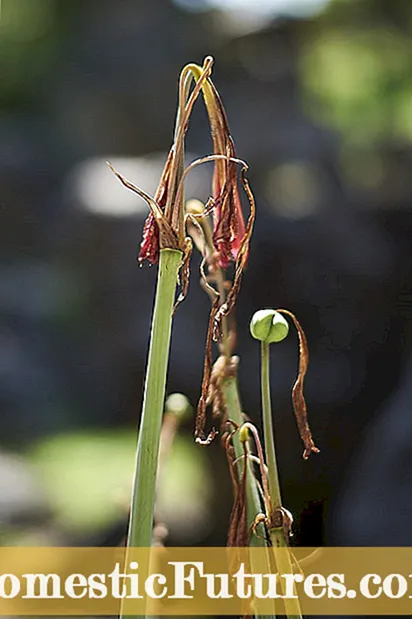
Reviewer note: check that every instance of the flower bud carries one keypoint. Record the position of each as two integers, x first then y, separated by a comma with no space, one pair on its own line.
195,207
178,405
269,326
243,434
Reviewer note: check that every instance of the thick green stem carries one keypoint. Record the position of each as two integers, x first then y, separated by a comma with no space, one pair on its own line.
144,484
277,535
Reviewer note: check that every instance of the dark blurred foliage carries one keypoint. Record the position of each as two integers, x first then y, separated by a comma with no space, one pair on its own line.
321,108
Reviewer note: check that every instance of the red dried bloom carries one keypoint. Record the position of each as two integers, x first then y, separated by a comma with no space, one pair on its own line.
150,247
164,226
228,220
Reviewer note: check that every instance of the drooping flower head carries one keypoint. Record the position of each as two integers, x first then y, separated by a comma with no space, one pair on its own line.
228,220
165,226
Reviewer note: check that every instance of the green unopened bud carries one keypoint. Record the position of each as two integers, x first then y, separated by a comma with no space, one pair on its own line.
244,434
179,405
195,207
269,326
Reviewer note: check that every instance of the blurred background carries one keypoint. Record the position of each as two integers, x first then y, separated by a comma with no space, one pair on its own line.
319,99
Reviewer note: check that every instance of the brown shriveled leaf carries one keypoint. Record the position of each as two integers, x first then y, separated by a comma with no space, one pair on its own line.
298,398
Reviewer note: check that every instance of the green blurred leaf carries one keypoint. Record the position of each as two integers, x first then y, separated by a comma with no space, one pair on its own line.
87,476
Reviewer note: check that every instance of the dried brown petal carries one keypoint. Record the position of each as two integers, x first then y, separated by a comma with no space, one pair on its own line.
263,471
185,273
157,230
298,398
207,372
150,247
241,260
228,220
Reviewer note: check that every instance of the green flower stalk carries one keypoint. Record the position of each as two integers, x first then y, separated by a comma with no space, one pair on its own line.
164,241
270,326
144,484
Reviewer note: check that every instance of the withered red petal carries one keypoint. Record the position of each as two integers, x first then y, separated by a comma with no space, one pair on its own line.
149,248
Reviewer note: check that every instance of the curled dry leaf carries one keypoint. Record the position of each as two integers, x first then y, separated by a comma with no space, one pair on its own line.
207,372
298,398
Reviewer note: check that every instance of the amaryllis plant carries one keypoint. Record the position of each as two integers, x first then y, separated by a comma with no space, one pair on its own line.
220,231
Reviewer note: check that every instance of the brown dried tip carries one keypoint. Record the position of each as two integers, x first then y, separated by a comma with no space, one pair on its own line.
185,273
207,372
298,399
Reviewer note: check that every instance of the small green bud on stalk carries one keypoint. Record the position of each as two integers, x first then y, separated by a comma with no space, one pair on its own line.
269,326
243,434
178,405
195,207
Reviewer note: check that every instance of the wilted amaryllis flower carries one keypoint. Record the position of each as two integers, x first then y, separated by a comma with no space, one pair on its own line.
165,226
231,237
228,220
229,224
150,245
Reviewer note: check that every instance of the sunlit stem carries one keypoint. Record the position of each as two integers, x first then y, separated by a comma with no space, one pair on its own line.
144,485
270,453
277,535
